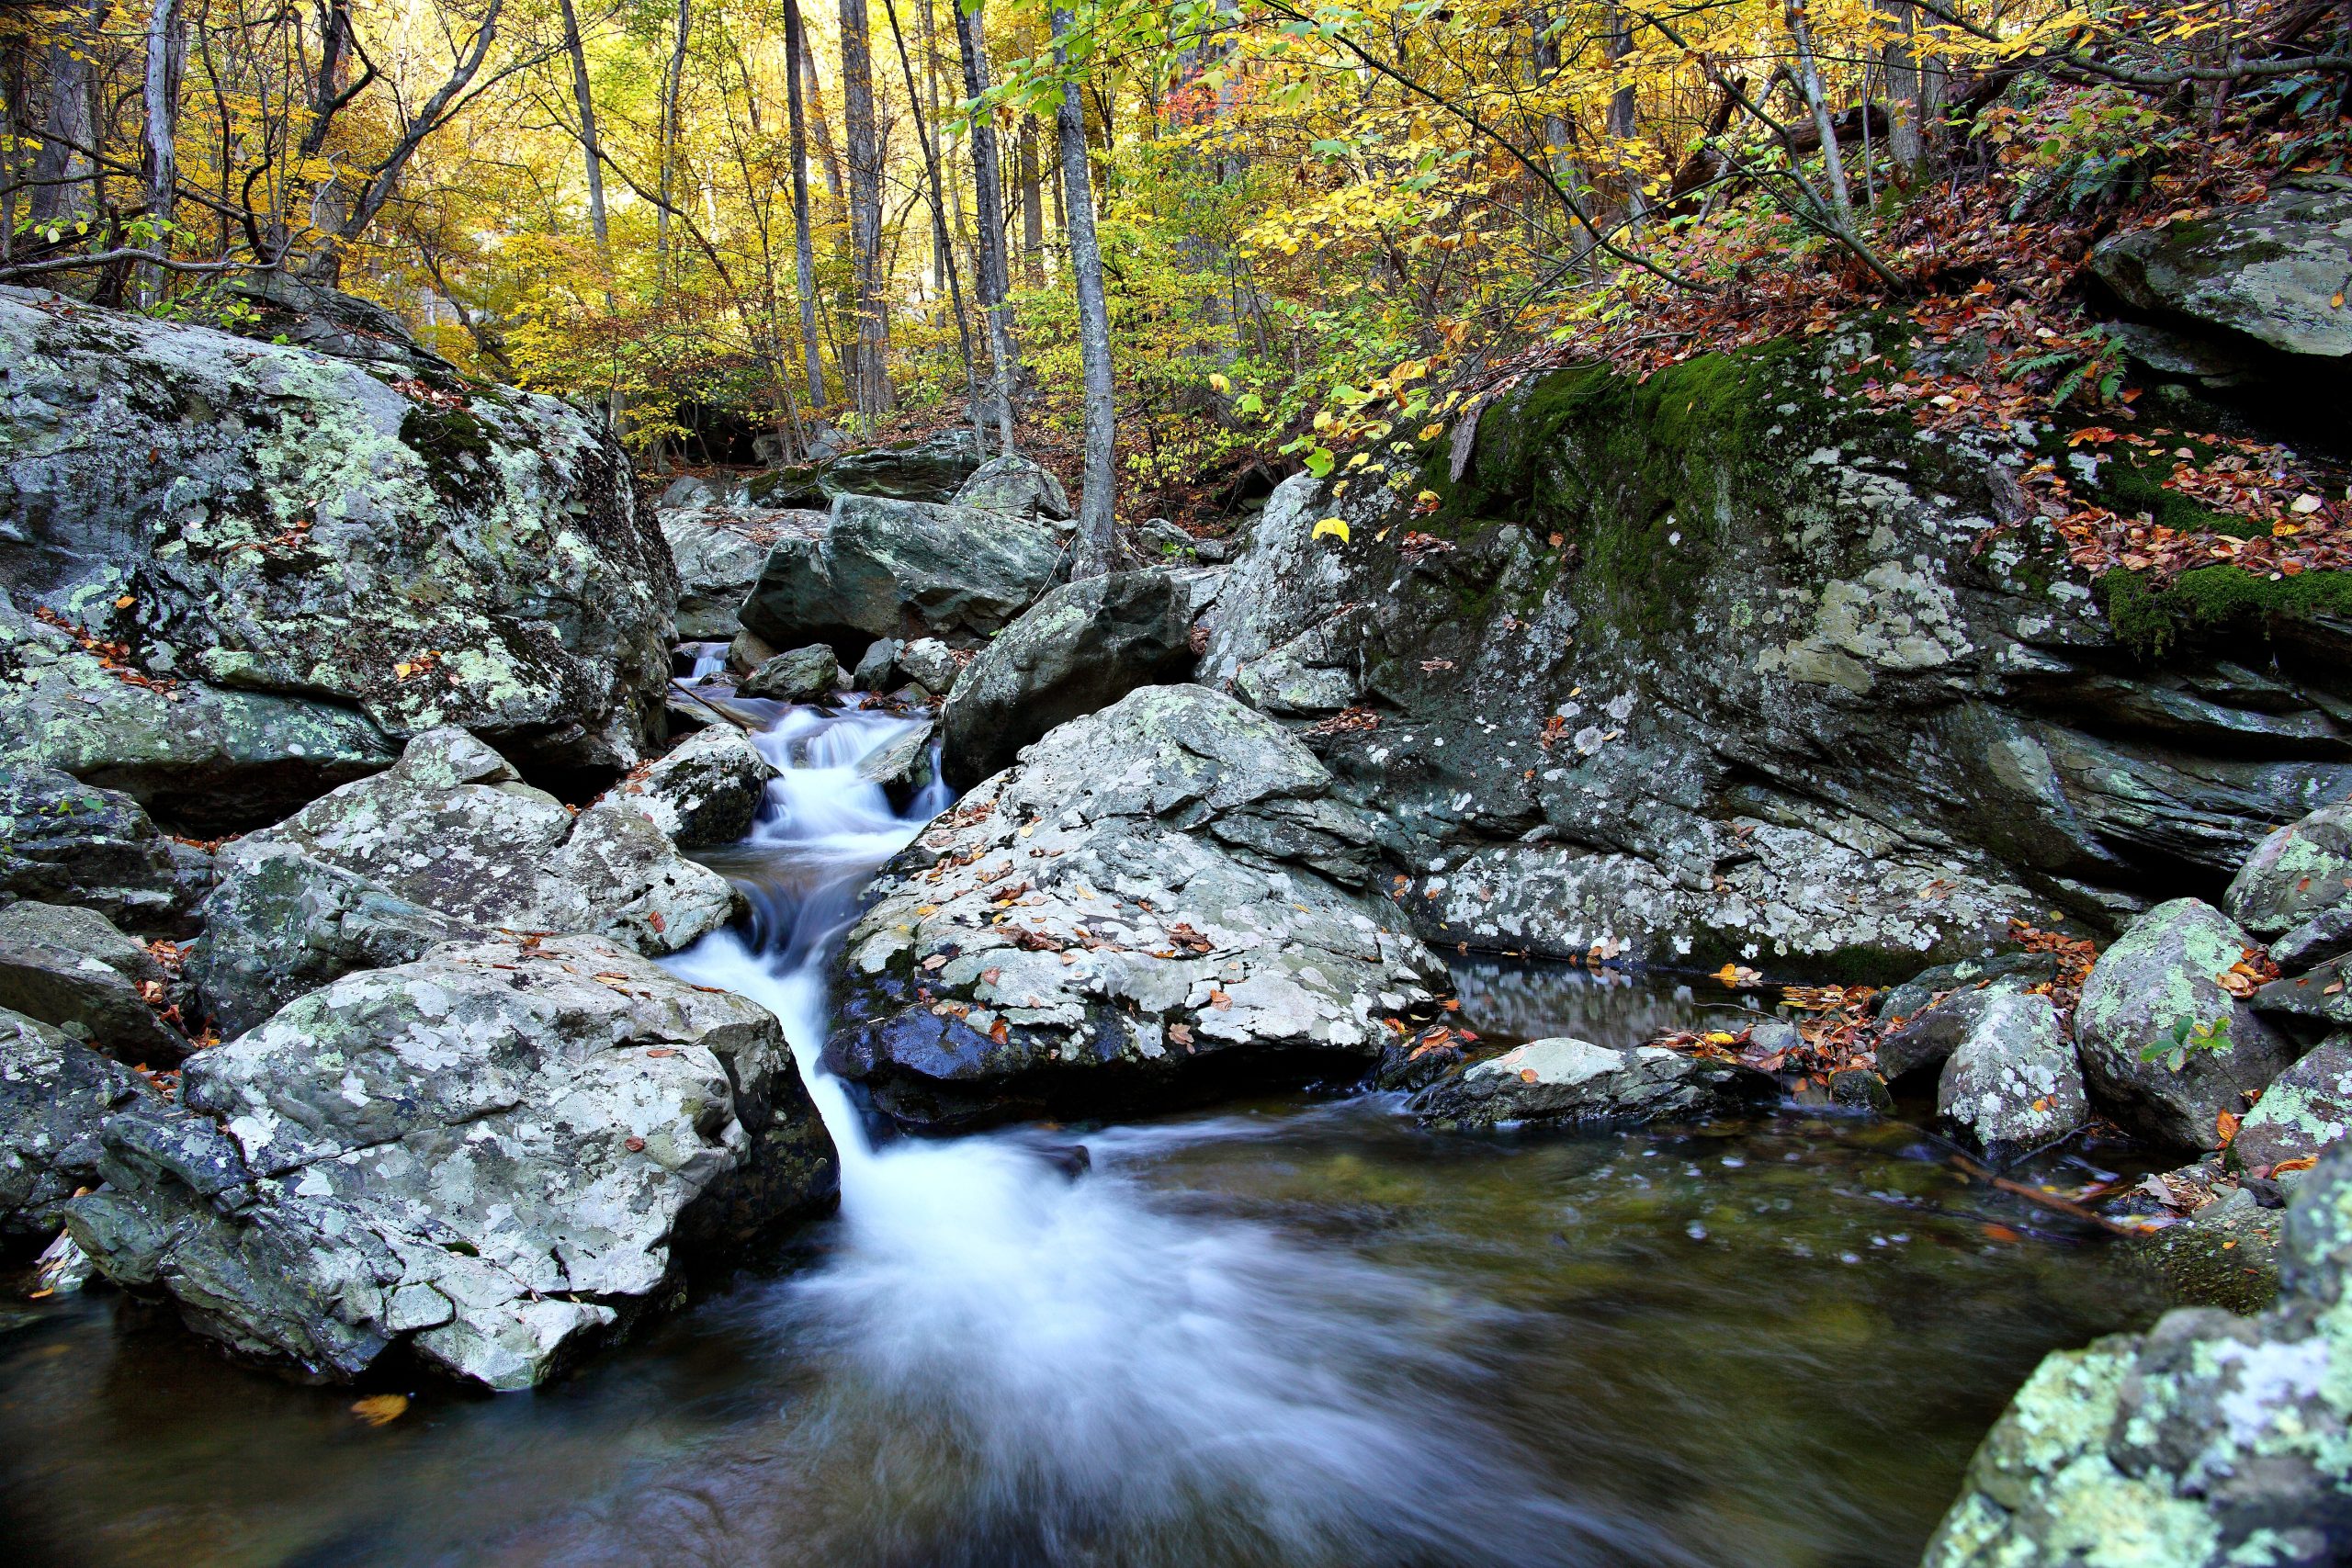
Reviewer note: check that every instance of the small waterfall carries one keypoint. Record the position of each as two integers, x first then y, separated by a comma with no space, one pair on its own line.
1076,1373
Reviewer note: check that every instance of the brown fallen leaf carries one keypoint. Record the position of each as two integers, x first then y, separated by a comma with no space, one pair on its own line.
1220,1000
661,1051
381,1409
1181,1034
990,977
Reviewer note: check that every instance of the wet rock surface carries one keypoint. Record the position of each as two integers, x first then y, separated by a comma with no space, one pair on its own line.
55,1093
2211,1439
1564,1081
494,1155
1160,897
308,559
1079,650
1712,667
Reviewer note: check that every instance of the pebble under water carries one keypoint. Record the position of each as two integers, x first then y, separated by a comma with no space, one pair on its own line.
1298,1331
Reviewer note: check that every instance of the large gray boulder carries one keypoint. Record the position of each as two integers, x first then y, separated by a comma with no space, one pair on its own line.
720,552
1161,896
804,675
903,569
63,842
1940,1026
2306,1109
384,553
1016,486
2148,993
931,469
494,1154
1564,1081
2012,1085
55,1093
2298,874
1709,666
2270,271
2210,1440
283,923
69,967
705,790
1079,650
451,828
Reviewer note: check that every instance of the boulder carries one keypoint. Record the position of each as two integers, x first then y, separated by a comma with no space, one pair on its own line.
283,923
67,842
69,968
1938,1026
2298,874
1566,1081
2211,1439
805,675
1017,487
875,665
1080,648
906,763
494,1155
2159,981
719,553
2306,1108
747,652
55,1093
2325,936
2269,271
931,469
2323,994
1614,682
1161,898
901,569
450,828
1914,996
931,664
2012,1085
281,308
375,553
704,791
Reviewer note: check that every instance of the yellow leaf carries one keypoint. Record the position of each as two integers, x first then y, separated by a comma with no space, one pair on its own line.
381,1409
125,602
1330,525
1220,383
1431,432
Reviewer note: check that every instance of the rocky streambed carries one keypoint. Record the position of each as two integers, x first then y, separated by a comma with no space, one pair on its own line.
836,1078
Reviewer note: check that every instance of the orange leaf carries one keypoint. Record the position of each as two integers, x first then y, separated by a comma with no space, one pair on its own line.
381,1409
2226,1123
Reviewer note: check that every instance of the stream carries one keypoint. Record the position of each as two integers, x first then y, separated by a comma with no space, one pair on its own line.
1293,1331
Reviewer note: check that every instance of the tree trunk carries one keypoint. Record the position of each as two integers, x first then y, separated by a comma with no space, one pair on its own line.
1097,506
58,168
995,276
167,57
1809,78
1622,117
670,81
871,377
590,144
804,256
1032,207
941,249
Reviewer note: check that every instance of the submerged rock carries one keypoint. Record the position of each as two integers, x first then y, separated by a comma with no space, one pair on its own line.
69,968
903,570
55,1093
2211,1439
1160,897
1080,648
314,555
1566,1081
2155,990
494,1154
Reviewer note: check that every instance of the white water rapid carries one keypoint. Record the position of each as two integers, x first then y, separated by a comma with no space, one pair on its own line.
1032,1368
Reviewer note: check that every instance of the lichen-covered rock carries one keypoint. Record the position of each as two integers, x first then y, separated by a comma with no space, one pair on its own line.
494,1155
283,923
69,968
2211,1441
1566,1081
402,551
55,1093
1080,648
2322,994
2306,1109
451,828
1709,666
719,553
2326,935
1017,486
1160,897
2160,982
904,569
1942,1021
1909,1000
804,675
2012,1085
2299,872
63,842
907,762
704,790
2271,270
931,664
931,469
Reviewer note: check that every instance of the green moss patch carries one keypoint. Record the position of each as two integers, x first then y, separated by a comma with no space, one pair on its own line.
2213,601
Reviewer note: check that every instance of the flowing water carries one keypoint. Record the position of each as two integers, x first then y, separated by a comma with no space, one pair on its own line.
1291,1332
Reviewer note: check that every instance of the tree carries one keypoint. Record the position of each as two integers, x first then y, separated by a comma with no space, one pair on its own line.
804,255
988,182
870,377
1097,516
